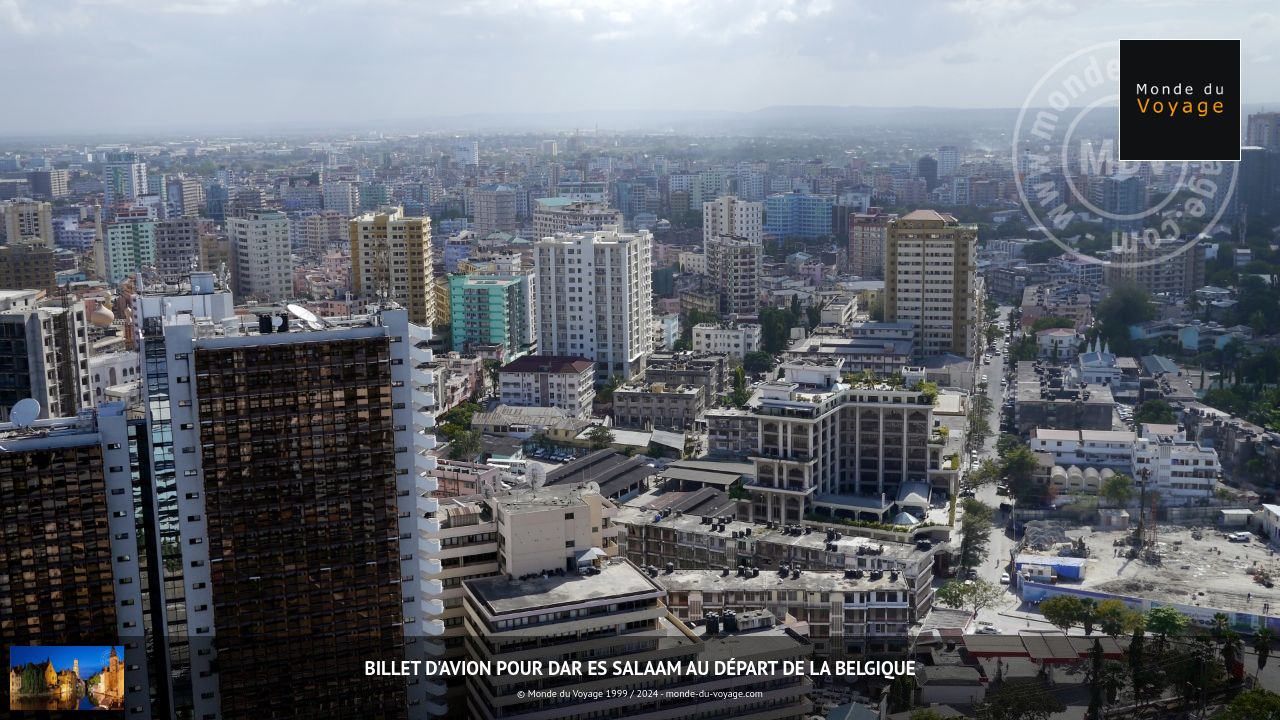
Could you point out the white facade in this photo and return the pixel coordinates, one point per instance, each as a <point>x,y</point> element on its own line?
<point>595,298</point>
<point>734,340</point>
<point>111,369</point>
<point>342,197</point>
<point>1086,448</point>
<point>565,383</point>
<point>260,246</point>
<point>692,262</point>
<point>730,216</point>
<point>1177,467</point>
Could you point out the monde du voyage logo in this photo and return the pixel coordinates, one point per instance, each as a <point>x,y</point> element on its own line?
<point>1180,100</point>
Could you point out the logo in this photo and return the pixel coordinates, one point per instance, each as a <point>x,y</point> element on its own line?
<point>1082,196</point>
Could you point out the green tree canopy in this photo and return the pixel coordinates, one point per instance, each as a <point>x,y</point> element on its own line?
<point>1118,489</point>
<point>1020,699</point>
<point>1127,304</point>
<point>600,437</point>
<point>1154,411</point>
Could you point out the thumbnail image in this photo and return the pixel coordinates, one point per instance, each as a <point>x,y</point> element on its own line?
<point>66,677</point>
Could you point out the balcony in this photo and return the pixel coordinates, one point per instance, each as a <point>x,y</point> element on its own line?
<point>424,398</point>
<point>424,440</point>
<point>431,587</point>
<point>430,526</point>
<point>426,504</point>
<point>424,420</point>
<point>423,376</point>
<point>433,628</point>
<point>428,483</point>
<point>435,709</point>
<point>433,648</point>
<point>431,546</point>
<point>434,606</point>
<point>419,333</point>
<point>435,687</point>
<point>426,463</point>
<point>431,566</point>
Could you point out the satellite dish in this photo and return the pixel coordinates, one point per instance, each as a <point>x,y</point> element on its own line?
<point>307,317</point>
<point>277,321</point>
<point>591,488</point>
<point>25,412</point>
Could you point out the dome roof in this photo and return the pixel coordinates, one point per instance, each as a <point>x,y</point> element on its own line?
<point>102,317</point>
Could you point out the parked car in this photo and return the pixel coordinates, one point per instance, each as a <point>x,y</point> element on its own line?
<point>1004,578</point>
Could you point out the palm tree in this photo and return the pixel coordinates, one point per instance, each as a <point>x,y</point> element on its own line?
<point>1232,649</point>
<point>1262,645</point>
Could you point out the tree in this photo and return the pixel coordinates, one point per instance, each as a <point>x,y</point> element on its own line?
<point>1154,411</point>
<point>465,445</point>
<point>975,532</point>
<point>876,309</point>
<point>1006,443</point>
<point>925,714</point>
<point>1020,699</point>
<point>605,393</point>
<point>1018,468</point>
<point>1256,704</point>
<point>1050,322</point>
<point>1165,622</point>
<point>1118,489</point>
<point>757,362</point>
<point>1127,304</point>
<point>974,594</point>
<point>1262,646</point>
<point>1115,618</point>
<point>739,396</point>
<point>987,472</point>
<point>600,437</point>
<point>1063,611</point>
<point>1097,694</point>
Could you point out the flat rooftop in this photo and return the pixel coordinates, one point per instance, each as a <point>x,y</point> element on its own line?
<point>770,579</point>
<point>617,580</point>
<point>1209,572</point>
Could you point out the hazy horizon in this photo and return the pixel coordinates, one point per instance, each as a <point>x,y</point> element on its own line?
<point>106,67</point>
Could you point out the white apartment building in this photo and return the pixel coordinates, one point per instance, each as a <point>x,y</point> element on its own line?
<point>692,262</point>
<point>729,216</point>
<point>27,221</point>
<point>732,340</point>
<point>342,197</point>
<point>549,381</point>
<point>595,298</point>
<point>1178,468</point>
<point>931,280</point>
<point>261,263</point>
<point>1086,448</point>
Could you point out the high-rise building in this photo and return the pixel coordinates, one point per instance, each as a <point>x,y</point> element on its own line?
<point>1160,267</point>
<point>948,161</point>
<point>342,197</point>
<point>45,355</point>
<point>931,281</point>
<point>28,267</point>
<point>557,215</point>
<point>262,266</point>
<point>729,216</point>
<point>494,209</point>
<point>927,168</point>
<point>1264,131</point>
<point>797,214</point>
<point>489,315</point>
<point>378,242</point>
<point>184,196</point>
<point>868,233</point>
<point>734,266</point>
<point>124,178</point>
<point>49,184</point>
<point>320,231</point>
<point>1258,183</point>
<point>466,152</point>
<point>595,299</point>
<point>1122,200</point>
<point>70,561</point>
<point>291,481</point>
<point>127,248</point>
<point>177,247</point>
<point>27,221</point>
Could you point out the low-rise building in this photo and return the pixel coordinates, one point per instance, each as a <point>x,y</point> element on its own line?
<point>660,406</point>
<point>1174,466</point>
<point>1045,398</point>
<point>549,381</point>
<point>726,339</point>
<point>709,371</point>
<point>1057,343</point>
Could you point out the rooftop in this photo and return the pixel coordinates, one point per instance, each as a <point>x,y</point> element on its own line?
<point>770,579</point>
<point>548,363</point>
<point>617,580</point>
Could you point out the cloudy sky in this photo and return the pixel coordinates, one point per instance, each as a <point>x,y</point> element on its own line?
<point>147,65</point>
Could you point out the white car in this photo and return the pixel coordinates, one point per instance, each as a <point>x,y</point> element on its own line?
<point>985,378</point>
<point>1004,578</point>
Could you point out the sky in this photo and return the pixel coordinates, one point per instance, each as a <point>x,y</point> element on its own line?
<point>92,658</point>
<point>173,65</point>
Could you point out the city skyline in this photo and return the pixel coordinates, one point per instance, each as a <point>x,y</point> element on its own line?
<point>785,54</point>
